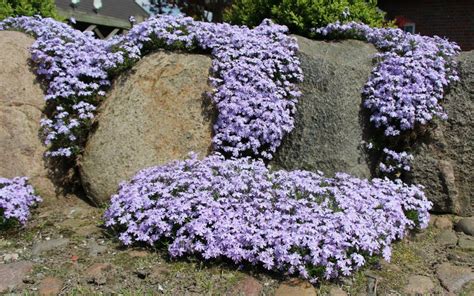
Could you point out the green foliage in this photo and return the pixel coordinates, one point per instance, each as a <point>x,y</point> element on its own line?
<point>302,15</point>
<point>45,8</point>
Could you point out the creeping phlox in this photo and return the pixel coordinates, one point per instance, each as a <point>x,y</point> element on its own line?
<point>16,199</point>
<point>74,65</point>
<point>410,79</point>
<point>254,73</point>
<point>296,222</point>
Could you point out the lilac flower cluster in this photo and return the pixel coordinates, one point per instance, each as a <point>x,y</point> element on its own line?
<point>395,161</point>
<point>408,83</point>
<point>406,86</point>
<point>74,65</point>
<point>16,199</point>
<point>295,222</point>
<point>254,75</point>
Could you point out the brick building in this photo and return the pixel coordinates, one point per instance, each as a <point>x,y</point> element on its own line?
<point>453,19</point>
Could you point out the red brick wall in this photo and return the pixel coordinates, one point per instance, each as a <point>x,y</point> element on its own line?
<point>447,18</point>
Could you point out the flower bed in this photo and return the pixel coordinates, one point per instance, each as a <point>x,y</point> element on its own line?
<point>16,199</point>
<point>254,75</point>
<point>294,222</point>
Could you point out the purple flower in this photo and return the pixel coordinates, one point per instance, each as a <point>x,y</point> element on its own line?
<point>16,199</point>
<point>284,221</point>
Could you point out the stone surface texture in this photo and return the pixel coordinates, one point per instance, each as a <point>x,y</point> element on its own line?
<point>21,105</point>
<point>444,161</point>
<point>155,113</point>
<point>329,123</point>
<point>466,225</point>
<point>12,274</point>
<point>419,285</point>
<point>453,277</point>
<point>295,287</point>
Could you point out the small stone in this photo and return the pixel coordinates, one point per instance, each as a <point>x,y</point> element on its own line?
<point>460,257</point>
<point>453,277</point>
<point>11,257</point>
<point>12,274</point>
<point>337,291</point>
<point>95,249</point>
<point>142,273</point>
<point>447,238</point>
<point>96,273</point>
<point>49,245</point>
<point>419,284</point>
<point>295,287</point>
<point>443,222</point>
<point>50,286</point>
<point>248,286</point>
<point>466,225</point>
<point>466,243</point>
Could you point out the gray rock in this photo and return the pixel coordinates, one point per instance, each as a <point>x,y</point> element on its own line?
<point>12,274</point>
<point>154,114</point>
<point>95,249</point>
<point>419,285</point>
<point>447,238</point>
<point>466,225</point>
<point>49,245</point>
<point>329,122</point>
<point>444,160</point>
<point>453,277</point>
<point>21,105</point>
<point>466,243</point>
<point>461,257</point>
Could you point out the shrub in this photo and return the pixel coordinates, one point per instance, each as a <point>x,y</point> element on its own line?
<point>16,199</point>
<point>302,15</point>
<point>45,8</point>
<point>295,222</point>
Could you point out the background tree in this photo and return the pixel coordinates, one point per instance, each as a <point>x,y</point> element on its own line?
<point>45,8</point>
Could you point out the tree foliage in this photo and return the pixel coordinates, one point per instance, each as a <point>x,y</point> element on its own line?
<point>302,15</point>
<point>45,8</point>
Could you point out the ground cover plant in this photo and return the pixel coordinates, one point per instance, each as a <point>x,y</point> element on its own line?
<point>254,76</point>
<point>230,205</point>
<point>17,197</point>
<point>295,222</point>
<point>407,85</point>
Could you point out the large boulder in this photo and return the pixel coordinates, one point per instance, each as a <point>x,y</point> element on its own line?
<point>444,162</point>
<point>329,125</point>
<point>156,113</point>
<point>21,105</point>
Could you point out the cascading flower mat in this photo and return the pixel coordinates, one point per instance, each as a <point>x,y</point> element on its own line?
<point>295,222</point>
<point>254,73</point>
<point>16,199</point>
<point>408,83</point>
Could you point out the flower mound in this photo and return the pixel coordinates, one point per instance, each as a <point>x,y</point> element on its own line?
<point>296,222</point>
<point>409,81</point>
<point>254,74</point>
<point>16,199</point>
